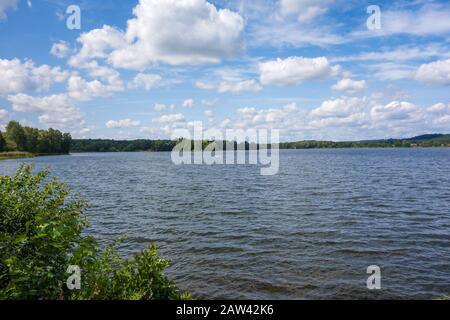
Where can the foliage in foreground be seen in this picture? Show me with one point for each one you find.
(41, 228)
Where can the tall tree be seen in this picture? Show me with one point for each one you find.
(44, 144)
(15, 136)
(66, 143)
(32, 135)
(2, 142)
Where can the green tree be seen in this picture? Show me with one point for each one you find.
(41, 224)
(32, 138)
(55, 138)
(15, 136)
(44, 142)
(66, 143)
(2, 143)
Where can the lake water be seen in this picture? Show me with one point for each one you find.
(309, 232)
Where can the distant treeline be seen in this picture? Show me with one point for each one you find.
(104, 145)
(35, 141)
(350, 144)
(428, 140)
(101, 145)
(32, 140)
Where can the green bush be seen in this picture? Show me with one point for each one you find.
(41, 224)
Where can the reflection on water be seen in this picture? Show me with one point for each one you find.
(309, 232)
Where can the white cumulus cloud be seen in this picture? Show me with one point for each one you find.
(295, 70)
(439, 108)
(97, 44)
(123, 123)
(339, 108)
(157, 33)
(434, 73)
(56, 110)
(350, 86)
(146, 81)
(168, 118)
(396, 110)
(17, 76)
(84, 90)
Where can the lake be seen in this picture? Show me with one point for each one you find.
(309, 232)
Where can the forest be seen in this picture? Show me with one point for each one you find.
(18, 138)
(104, 145)
(101, 145)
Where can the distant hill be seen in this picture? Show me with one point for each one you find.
(426, 140)
(430, 137)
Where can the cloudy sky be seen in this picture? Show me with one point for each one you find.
(311, 68)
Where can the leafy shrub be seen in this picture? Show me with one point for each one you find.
(41, 224)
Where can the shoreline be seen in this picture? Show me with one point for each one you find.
(12, 155)
(15, 155)
(324, 148)
(26, 155)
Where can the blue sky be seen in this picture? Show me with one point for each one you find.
(313, 69)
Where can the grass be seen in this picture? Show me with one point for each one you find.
(15, 155)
